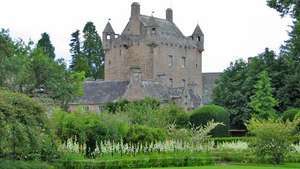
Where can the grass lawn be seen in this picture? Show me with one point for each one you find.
(253, 166)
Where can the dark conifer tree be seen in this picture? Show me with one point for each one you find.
(45, 44)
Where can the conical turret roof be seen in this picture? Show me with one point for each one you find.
(108, 28)
(198, 31)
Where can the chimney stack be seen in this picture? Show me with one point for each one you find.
(169, 15)
(135, 9)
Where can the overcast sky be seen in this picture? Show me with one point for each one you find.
(233, 28)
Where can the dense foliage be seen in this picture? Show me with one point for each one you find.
(24, 129)
(291, 114)
(273, 138)
(87, 56)
(262, 102)
(30, 70)
(203, 115)
(46, 46)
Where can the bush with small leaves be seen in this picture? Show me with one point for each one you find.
(273, 138)
(204, 114)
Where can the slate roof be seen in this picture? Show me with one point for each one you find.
(108, 28)
(155, 90)
(99, 92)
(164, 25)
(198, 31)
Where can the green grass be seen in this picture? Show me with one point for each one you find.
(237, 166)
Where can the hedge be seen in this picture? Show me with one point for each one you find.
(139, 163)
(204, 114)
(13, 164)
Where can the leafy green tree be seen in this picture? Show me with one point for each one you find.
(45, 44)
(24, 128)
(263, 102)
(6, 45)
(93, 51)
(231, 93)
(290, 52)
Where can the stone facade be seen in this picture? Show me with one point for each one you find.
(150, 58)
(157, 47)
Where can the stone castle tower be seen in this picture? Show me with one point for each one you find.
(158, 48)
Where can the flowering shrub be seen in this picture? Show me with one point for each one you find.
(235, 146)
(273, 138)
(296, 147)
(121, 148)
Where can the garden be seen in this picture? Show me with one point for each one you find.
(141, 134)
(252, 123)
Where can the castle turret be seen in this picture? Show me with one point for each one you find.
(199, 37)
(108, 35)
(169, 15)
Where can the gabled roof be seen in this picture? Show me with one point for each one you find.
(108, 28)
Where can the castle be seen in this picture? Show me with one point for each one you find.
(151, 58)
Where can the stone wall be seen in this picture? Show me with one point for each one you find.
(209, 82)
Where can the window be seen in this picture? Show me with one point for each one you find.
(183, 82)
(153, 31)
(183, 62)
(171, 60)
(108, 37)
(199, 38)
(171, 82)
(196, 66)
(86, 108)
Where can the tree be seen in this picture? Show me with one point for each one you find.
(45, 44)
(93, 51)
(231, 93)
(75, 50)
(237, 84)
(6, 45)
(24, 128)
(263, 102)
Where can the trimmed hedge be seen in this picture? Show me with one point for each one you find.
(140, 163)
(10, 164)
(207, 113)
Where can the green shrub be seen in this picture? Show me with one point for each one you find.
(290, 114)
(175, 114)
(273, 138)
(7, 164)
(138, 134)
(24, 128)
(163, 161)
(203, 115)
(87, 128)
